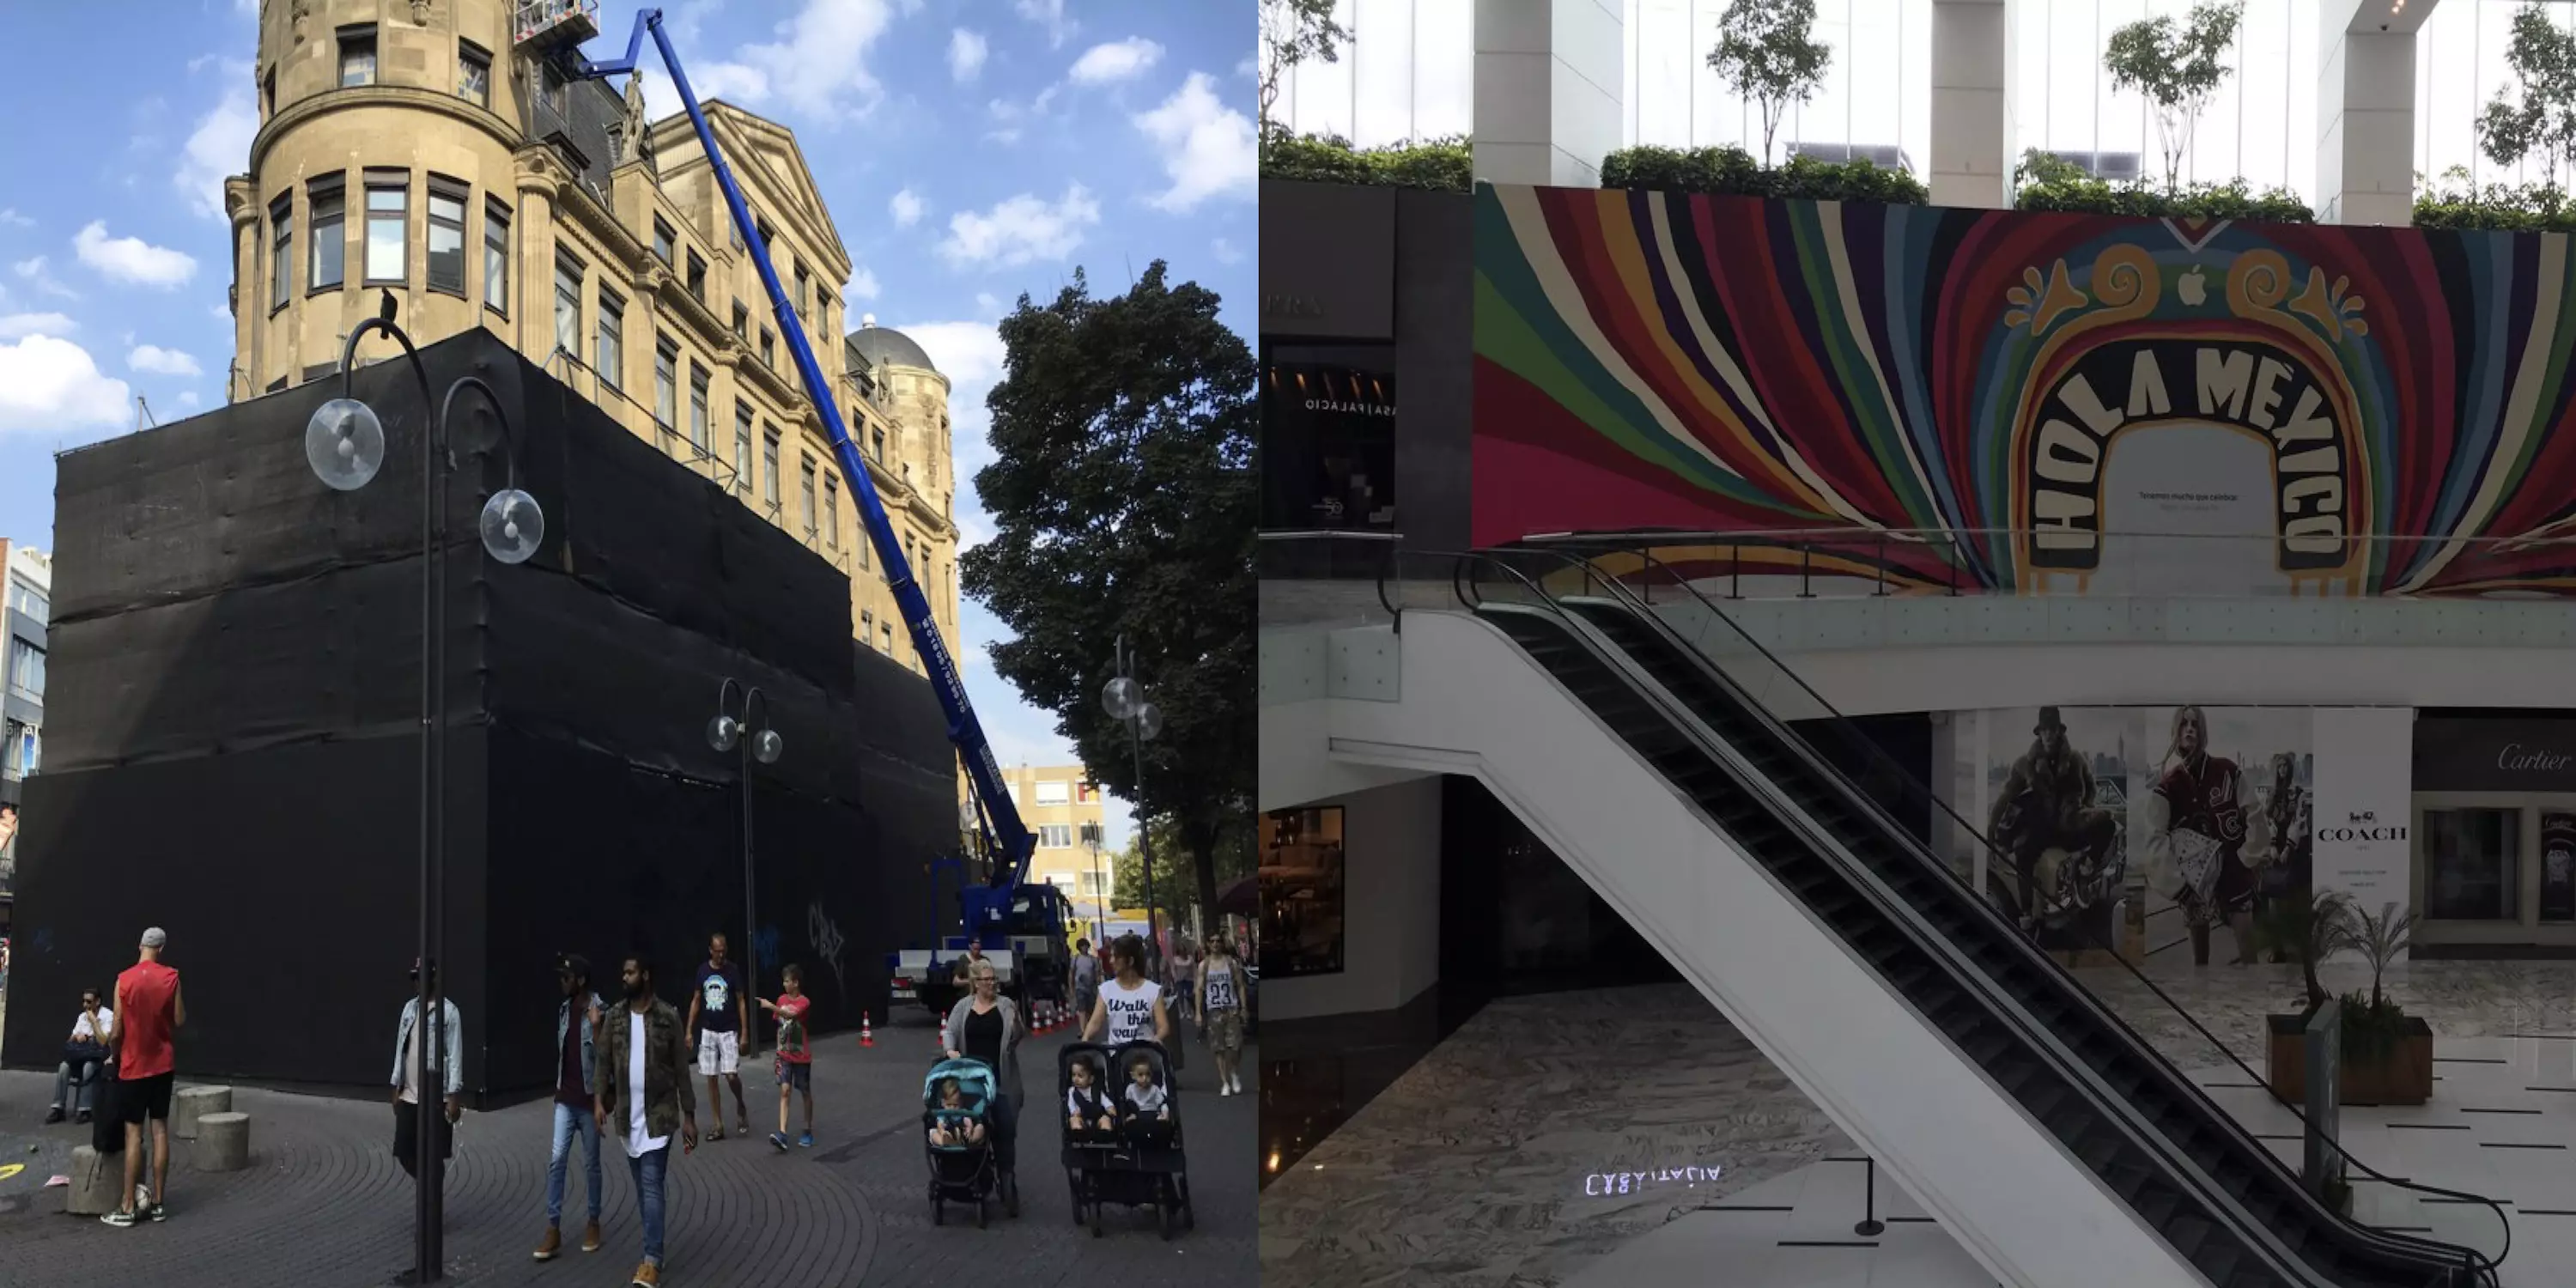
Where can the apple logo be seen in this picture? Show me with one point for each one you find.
(2193, 288)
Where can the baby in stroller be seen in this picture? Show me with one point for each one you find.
(1146, 1100)
(1087, 1103)
(954, 1122)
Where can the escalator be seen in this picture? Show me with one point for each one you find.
(2179, 1163)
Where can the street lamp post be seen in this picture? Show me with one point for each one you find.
(1124, 699)
(1099, 888)
(344, 442)
(751, 735)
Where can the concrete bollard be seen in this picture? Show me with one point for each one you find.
(192, 1104)
(95, 1180)
(223, 1142)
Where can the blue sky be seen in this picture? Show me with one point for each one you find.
(969, 150)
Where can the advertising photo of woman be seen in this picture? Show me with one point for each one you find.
(2205, 833)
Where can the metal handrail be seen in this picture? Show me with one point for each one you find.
(1915, 785)
(1871, 888)
(573, 362)
(1392, 541)
(1942, 536)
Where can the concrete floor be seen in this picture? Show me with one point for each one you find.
(1482, 1165)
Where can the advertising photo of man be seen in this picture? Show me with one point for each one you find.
(2286, 811)
(2047, 804)
(2201, 837)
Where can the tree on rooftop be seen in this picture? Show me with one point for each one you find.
(1768, 56)
(2177, 69)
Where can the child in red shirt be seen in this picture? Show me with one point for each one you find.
(795, 1062)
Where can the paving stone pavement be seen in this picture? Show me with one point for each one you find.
(324, 1203)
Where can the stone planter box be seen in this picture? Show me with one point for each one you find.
(2403, 1077)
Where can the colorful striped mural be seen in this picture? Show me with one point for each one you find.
(1948, 385)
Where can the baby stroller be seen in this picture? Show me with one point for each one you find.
(964, 1173)
(1141, 1162)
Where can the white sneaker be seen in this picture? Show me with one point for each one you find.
(1237, 1083)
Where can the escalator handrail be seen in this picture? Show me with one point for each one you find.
(2118, 1112)
(1799, 746)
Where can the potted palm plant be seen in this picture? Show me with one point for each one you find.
(2387, 1055)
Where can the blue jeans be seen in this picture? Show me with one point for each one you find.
(649, 1172)
(86, 1073)
(571, 1123)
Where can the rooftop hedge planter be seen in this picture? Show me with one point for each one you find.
(2495, 208)
(1433, 165)
(2043, 182)
(1732, 171)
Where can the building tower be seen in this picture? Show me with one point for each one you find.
(435, 150)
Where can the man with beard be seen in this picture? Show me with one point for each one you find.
(2047, 804)
(2286, 812)
(2198, 834)
(640, 1091)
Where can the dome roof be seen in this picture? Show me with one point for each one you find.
(872, 344)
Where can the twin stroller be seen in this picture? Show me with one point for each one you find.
(969, 1169)
(1136, 1161)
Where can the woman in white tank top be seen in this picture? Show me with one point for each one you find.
(1130, 1008)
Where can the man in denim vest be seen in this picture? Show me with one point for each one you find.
(576, 1064)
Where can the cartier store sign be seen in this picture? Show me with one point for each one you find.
(2512, 754)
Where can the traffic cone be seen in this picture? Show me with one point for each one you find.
(867, 1032)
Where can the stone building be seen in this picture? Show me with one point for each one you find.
(435, 150)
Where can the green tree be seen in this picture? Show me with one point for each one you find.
(1234, 862)
(1123, 502)
(1293, 31)
(2543, 121)
(1768, 56)
(2177, 69)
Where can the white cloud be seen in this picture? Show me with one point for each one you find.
(968, 353)
(131, 259)
(188, 398)
(34, 270)
(966, 53)
(1247, 68)
(818, 65)
(1020, 230)
(988, 304)
(907, 208)
(1050, 15)
(13, 219)
(1116, 61)
(1207, 147)
(1225, 251)
(162, 362)
(863, 286)
(223, 316)
(219, 146)
(18, 326)
(50, 384)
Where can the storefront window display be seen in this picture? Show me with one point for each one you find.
(1301, 892)
(1328, 443)
(2473, 864)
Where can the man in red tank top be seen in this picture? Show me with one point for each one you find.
(148, 1009)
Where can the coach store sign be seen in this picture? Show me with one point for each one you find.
(2516, 754)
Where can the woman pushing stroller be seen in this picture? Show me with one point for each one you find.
(986, 1026)
(1131, 1007)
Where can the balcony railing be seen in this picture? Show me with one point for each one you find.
(550, 23)
(700, 461)
(2059, 562)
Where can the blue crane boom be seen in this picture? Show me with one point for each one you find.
(999, 817)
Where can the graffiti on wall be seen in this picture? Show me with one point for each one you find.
(825, 935)
(2382, 410)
